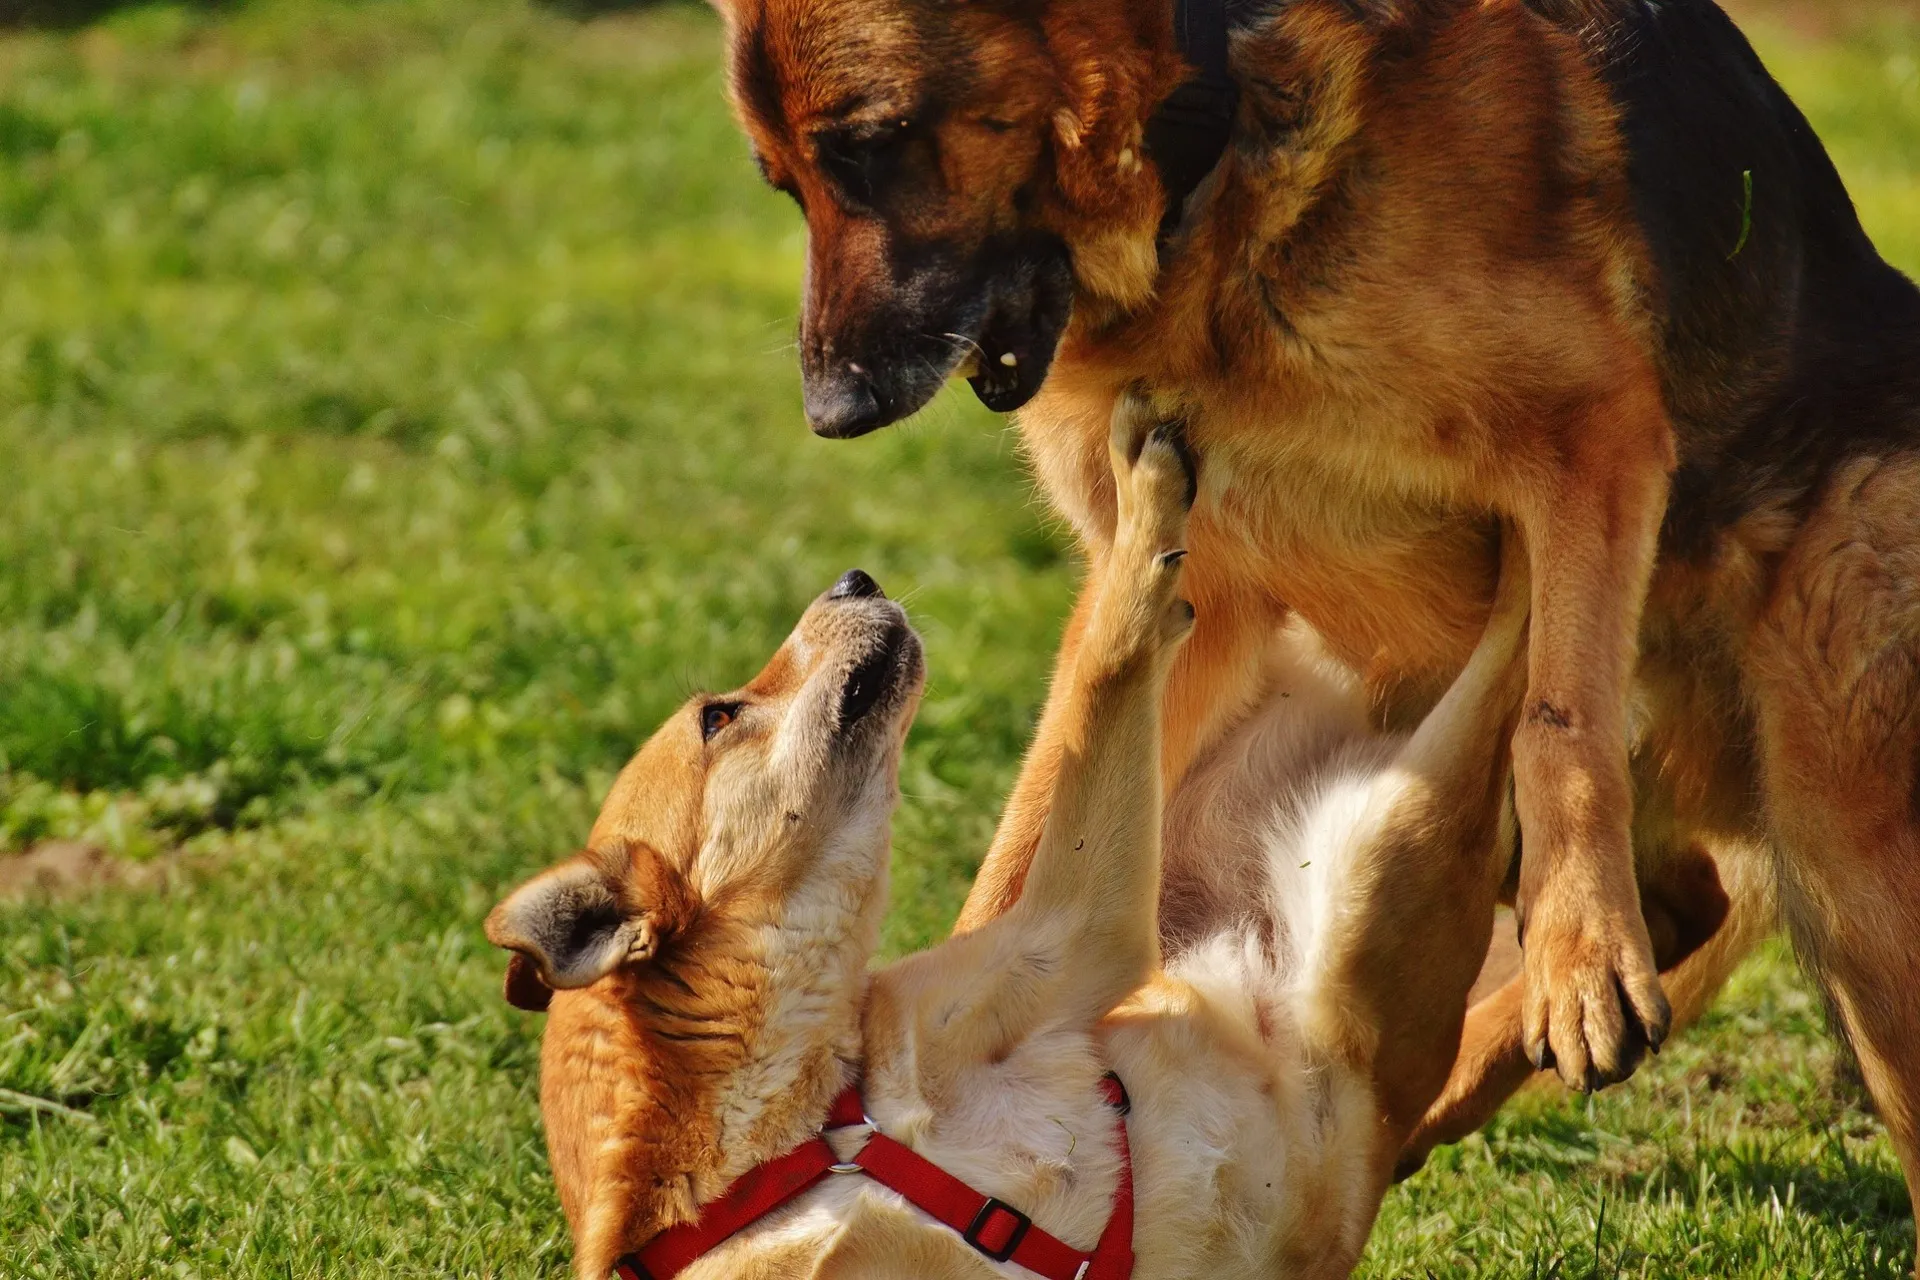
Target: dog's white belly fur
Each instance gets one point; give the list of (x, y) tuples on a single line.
[(1252, 1155)]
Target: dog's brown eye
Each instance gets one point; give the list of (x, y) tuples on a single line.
[(863, 161), (716, 716)]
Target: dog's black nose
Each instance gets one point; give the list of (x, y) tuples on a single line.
[(855, 585), (841, 405)]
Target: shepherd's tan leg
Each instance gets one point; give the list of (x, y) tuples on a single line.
[(1591, 514), (1835, 666)]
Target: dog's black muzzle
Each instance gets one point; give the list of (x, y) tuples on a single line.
[(1004, 317)]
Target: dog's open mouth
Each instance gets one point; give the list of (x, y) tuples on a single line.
[(871, 679), (996, 378), (1014, 348)]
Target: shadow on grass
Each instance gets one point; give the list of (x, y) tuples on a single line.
[(1854, 1194), (1831, 1184)]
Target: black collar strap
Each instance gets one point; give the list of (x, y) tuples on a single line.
[(1186, 136)]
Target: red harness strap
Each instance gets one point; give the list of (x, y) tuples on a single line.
[(996, 1229)]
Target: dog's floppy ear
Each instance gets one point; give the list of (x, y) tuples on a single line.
[(576, 923), (524, 988)]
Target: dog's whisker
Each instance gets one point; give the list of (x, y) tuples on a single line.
[(974, 358), (962, 340)]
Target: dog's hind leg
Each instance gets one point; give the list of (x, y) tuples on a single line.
[(1834, 666), (1418, 855)]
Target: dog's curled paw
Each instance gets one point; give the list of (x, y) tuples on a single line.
[(1153, 474), (1593, 1005)]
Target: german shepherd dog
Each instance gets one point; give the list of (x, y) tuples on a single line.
[(1578, 264)]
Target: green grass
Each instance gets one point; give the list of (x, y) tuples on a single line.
[(398, 416)]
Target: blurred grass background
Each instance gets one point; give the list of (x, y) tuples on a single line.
[(397, 417)]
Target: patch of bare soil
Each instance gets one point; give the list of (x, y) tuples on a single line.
[(70, 868)]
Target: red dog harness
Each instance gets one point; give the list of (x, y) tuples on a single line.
[(995, 1228)]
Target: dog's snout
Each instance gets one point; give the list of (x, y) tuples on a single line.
[(842, 403), (856, 584)]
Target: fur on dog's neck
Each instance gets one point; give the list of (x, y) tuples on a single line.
[(726, 1053)]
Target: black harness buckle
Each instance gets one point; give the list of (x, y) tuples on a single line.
[(1021, 1222)]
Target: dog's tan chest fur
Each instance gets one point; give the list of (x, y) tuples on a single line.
[(1396, 581), (1237, 1137), (1364, 361)]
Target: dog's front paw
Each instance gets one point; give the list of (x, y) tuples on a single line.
[(1154, 476), (1154, 485), (1593, 1003)]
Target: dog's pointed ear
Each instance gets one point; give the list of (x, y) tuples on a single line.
[(576, 923)]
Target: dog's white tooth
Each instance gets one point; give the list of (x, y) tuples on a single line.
[(1009, 359)]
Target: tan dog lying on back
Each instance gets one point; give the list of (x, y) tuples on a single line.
[(709, 953)]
